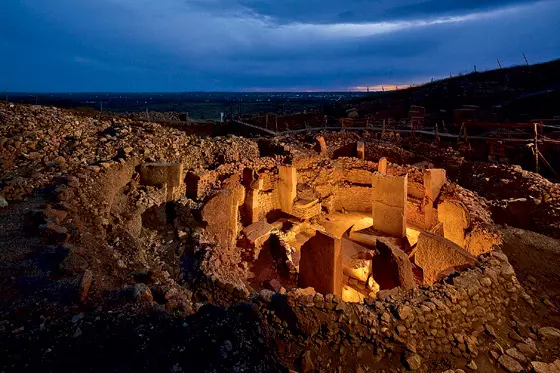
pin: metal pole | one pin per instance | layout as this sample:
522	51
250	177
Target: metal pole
6	95
525	57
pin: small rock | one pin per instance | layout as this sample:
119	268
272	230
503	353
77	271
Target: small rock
228	345
472	365
77	333
514	353
516	337
73	263
142	293
539	367
413	362
85	284
307	363
549	333
266	295
3	202
510	364
404	312
490	331
495	355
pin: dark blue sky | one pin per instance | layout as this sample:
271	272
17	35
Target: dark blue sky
185	45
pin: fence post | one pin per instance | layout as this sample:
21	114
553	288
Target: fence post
536	145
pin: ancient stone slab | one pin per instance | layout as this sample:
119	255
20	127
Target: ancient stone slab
220	214
252	206
320	265
389	204
397	262
287	187
320	145
482	240
360	150
258	231
434	179
382	166
455	218
435	254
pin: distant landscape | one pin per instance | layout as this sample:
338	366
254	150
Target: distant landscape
198	105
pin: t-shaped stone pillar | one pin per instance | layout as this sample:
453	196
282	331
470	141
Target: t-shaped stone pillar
320	265
287	187
389	203
434	179
360	150
382	166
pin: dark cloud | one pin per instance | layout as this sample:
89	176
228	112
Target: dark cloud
174	45
332	11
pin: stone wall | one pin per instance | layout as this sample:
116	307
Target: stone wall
353	198
448	317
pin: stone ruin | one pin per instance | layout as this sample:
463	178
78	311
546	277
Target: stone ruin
347	227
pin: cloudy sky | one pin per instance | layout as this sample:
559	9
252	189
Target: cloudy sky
236	45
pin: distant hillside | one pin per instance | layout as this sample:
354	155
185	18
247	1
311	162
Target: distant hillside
515	94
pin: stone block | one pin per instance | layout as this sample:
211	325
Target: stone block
382	166
389	204
435	254
360	150
287	187
220	213
455	218
320	265
258	233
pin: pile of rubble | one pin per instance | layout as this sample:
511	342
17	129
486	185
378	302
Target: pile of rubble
39	144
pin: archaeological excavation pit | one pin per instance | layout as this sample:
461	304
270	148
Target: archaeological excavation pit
346	226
